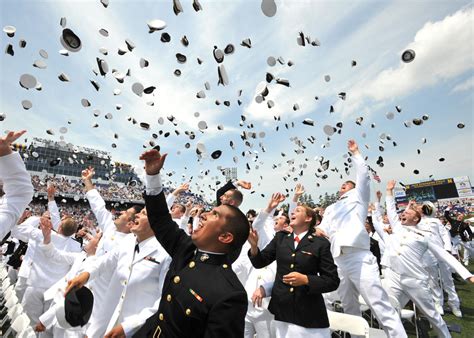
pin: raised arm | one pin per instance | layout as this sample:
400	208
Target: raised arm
166	230
175	194
28	230
53	254
53	207
104	217
362	170
16	184
261	259
449	259
390	205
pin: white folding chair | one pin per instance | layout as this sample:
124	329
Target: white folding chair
11	301
405	314
354	325
20	323
27	333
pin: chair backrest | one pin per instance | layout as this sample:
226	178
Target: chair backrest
354	325
20	323
11	301
15	310
27	333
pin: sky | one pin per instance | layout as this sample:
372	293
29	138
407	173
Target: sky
438	83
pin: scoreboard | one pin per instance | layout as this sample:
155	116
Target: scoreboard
436	190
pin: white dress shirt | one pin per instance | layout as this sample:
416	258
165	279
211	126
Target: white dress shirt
408	245
344	220
134	291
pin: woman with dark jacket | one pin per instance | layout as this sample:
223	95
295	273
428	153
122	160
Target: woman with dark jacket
305	270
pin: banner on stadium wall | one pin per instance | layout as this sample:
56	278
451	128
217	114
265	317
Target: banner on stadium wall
463	186
429	184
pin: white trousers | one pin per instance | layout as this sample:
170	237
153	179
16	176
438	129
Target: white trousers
448	285
20	287
258	322
407	288
359	274
434	284
34	306
286	330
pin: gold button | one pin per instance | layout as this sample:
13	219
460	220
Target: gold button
192	264
168	298
292	266
291	289
225	266
188	312
161	316
176	279
293	255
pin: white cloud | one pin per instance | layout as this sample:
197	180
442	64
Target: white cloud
442	53
464	86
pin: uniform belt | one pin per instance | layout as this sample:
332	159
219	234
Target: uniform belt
349	249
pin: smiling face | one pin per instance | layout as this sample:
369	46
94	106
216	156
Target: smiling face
301	218
124	217
345	187
410	217
140	227
281	222
211	234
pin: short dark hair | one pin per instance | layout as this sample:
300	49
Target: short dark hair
238	225
251	212
181	206
137	208
287	219
237	197
351	182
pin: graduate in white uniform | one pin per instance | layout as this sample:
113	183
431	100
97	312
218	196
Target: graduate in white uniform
343	224
78	261
113	231
16	183
138	265
441	278
406	277
44	272
258	319
28	258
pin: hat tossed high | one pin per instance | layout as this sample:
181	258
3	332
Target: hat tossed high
75	308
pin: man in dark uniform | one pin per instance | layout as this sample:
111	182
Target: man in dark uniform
201	296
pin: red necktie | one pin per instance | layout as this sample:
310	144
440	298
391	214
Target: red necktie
297	239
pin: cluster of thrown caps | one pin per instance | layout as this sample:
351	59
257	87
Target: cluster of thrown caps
71	42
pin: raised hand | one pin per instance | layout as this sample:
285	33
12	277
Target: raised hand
51	191
79	281
244	184
46	226
253	240
182	188
353	147
391	185
276	199
154	161
7	140
379	195
87	174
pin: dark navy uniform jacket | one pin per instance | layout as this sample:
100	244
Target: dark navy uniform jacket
202	296
300	305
